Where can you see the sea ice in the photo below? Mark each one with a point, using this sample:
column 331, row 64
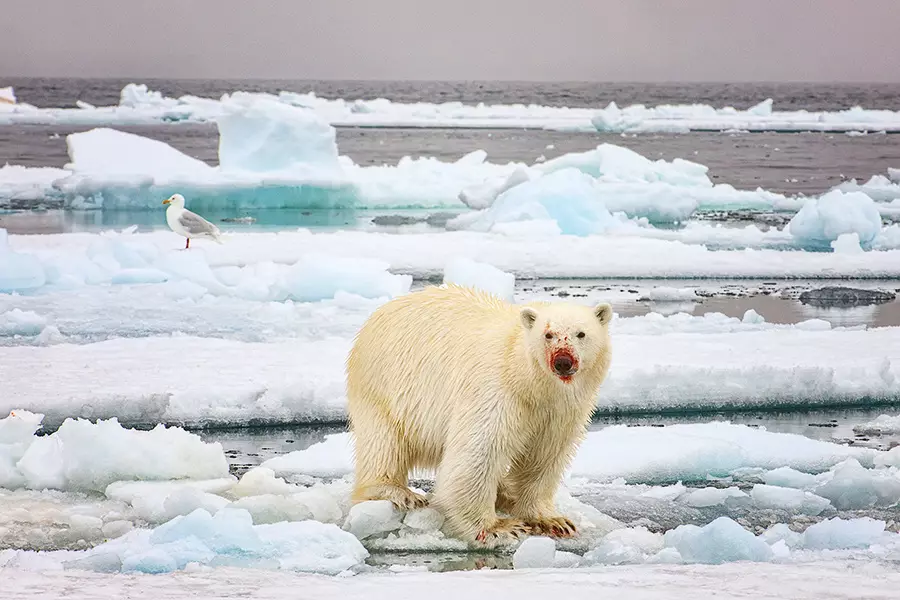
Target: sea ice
column 823, row 220
column 482, row 276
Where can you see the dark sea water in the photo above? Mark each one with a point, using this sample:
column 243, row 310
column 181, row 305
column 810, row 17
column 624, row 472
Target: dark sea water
column 802, row 163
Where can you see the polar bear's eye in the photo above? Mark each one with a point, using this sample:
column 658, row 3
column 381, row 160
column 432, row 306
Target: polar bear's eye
column 580, row 335
column 548, row 335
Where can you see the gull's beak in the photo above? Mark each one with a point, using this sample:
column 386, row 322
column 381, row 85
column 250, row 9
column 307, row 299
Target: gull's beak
column 167, row 201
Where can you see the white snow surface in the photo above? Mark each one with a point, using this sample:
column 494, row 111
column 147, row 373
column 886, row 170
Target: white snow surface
column 813, row 581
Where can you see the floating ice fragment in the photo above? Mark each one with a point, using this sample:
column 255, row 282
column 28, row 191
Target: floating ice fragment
column 721, row 541
column 770, row 496
column 372, row 518
column 535, row 553
column 838, row 534
column 825, row 219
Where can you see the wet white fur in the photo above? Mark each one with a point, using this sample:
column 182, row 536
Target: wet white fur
column 458, row 381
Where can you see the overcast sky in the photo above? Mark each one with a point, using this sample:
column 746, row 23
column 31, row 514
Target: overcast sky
column 611, row 40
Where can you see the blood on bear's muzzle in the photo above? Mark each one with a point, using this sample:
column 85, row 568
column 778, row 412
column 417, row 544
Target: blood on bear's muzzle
column 563, row 364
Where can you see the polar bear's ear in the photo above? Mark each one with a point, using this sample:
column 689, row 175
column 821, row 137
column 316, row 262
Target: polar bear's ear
column 528, row 316
column 603, row 312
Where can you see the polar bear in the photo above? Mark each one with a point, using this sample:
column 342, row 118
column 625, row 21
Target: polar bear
column 494, row 397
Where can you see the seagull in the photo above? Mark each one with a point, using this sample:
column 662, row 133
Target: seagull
column 188, row 224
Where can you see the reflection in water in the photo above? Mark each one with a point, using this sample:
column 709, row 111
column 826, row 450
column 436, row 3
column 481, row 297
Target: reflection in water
column 672, row 308
column 842, row 316
column 277, row 219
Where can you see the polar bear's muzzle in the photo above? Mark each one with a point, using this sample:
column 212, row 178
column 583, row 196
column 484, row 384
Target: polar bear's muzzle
column 563, row 364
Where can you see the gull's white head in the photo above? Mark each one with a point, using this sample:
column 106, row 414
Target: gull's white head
column 175, row 200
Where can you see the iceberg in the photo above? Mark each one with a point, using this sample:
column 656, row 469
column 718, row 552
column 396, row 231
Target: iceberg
column 270, row 156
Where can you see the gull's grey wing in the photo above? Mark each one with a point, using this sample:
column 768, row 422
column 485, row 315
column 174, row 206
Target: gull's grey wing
column 196, row 225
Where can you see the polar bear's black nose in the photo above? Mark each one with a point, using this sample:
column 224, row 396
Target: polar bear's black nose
column 562, row 365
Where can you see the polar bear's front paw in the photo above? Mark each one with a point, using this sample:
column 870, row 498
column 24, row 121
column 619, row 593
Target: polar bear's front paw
column 552, row 526
column 507, row 530
column 406, row 499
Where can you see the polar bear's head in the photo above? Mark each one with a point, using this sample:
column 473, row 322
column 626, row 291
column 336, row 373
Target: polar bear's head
column 567, row 338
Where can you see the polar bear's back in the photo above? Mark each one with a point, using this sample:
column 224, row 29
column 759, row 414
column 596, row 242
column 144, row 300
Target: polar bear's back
column 420, row 355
